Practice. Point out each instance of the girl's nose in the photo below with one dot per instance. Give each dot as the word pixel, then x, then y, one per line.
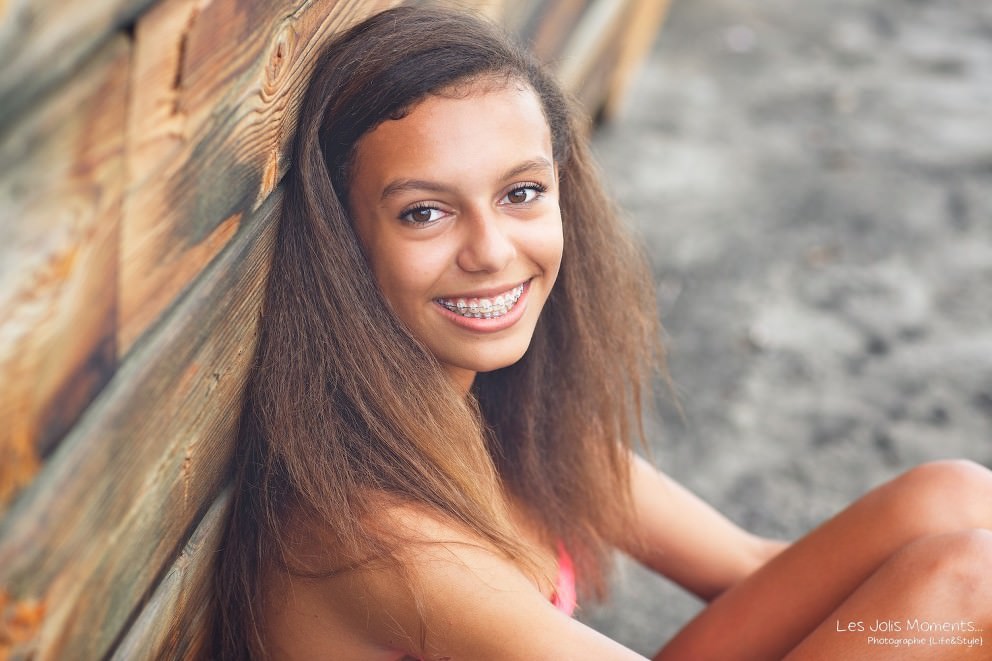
pixel 487 246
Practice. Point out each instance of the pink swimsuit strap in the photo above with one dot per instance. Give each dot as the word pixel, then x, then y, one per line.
pixel 565 598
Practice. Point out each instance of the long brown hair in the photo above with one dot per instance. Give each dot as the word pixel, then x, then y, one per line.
pixel 345 407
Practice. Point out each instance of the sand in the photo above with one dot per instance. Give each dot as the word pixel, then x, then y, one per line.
pixel 814 186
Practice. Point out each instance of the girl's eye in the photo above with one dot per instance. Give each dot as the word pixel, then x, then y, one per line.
pixel 524 194
pixel 421 215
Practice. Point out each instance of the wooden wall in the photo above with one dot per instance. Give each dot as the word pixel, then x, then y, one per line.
pixel 142 144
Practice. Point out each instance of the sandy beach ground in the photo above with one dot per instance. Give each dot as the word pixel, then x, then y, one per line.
pixel 814 185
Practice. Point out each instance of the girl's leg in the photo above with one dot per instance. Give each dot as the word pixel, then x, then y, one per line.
pixel 931 600
pixel 771 612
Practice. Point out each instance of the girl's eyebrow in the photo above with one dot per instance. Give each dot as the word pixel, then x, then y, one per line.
pixel 539 163
pixel 402 185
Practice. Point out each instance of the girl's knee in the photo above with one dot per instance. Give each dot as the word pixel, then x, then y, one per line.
pixel 956 553
pixel 954 471
pixel 951 566
pixel 942 496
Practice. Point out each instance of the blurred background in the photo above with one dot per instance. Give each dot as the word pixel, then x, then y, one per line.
pixel 814 187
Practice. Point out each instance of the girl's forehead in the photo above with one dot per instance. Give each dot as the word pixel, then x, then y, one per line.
pixel 488 128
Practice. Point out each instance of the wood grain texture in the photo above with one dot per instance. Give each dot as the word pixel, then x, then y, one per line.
pixel 44 43
pixel 61 186
pixel 596 79
pixel 593 46
pixel 597 32
pixel 174 624
pixel 145 461
pixel 643 23
pixel 215 89
pixel 544 26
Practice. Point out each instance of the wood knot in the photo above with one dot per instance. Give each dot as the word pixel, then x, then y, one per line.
pixel 279 57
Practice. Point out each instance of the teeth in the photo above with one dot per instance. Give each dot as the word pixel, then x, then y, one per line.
pixel 484 308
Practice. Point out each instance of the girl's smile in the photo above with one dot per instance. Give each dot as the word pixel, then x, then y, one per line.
pixel 456 207
pixel 485 313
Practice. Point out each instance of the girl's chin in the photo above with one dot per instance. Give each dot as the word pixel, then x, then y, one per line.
pixel 479 364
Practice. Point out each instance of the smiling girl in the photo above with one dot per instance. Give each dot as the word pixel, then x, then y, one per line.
pixel 435 442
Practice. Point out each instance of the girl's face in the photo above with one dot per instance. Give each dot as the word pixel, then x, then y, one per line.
pixel 456 206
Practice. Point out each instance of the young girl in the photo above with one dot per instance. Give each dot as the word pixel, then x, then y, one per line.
pixel 435 447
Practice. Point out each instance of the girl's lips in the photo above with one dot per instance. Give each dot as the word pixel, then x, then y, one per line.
pixel 490 293
pixel 483 307
pixel 486 314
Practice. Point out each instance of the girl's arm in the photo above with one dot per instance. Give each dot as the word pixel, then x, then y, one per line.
pixel 686 540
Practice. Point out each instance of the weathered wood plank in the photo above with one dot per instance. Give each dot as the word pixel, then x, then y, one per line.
pixel 214 84
pixel 89 538
pixel 642 26
pixel 173 624
pixel 44 42
pixel 61 186
pixel 593 45
pixel 599 27
pixel 594 86
pixel 544 26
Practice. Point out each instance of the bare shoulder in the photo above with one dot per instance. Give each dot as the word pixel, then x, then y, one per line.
pixel 452 596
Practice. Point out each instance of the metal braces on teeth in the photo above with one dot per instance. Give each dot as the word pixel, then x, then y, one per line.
pixel 485 308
